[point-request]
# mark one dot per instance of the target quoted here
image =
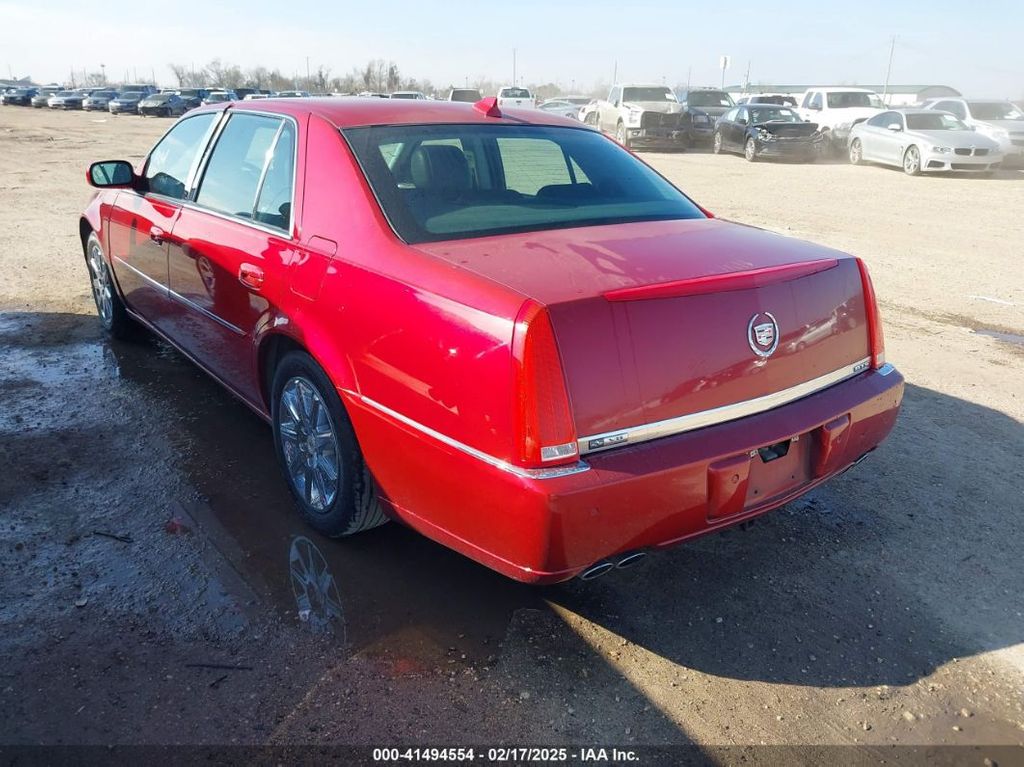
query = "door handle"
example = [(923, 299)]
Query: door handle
[(251, 276), (157, 235)]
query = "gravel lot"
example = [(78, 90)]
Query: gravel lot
[(157, 587)]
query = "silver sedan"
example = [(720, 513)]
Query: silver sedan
[(922, 141)]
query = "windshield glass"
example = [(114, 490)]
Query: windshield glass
[(647, 94), (515, 93), (773, 115), (845, 99), (934, 121), (131, 95), (995, 110), (443, 182), (709, 99)]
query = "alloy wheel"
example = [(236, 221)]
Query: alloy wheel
[(716, 146), (912, 161), (856, 152), (309, 444), (102, 289)]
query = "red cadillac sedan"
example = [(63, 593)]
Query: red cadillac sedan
[(501, 328)]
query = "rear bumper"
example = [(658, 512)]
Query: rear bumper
[(649, 496)]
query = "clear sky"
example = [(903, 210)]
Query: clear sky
[(975, 47)]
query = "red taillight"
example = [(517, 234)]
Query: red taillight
[(546, 435), (874, 318)]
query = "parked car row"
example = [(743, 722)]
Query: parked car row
[(142, 99)]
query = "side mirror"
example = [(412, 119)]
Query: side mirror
[(894, 127), (111, 174), (741, 121)]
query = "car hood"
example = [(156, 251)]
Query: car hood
[(956, 138), (575, 263), (665, 107)]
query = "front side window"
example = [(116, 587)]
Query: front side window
[(233, 173), (880, 120), (173, 160), (815, 102), (456, 181)]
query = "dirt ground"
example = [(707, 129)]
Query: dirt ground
[(156, 585)]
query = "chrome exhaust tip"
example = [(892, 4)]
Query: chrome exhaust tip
[(631, 559), (596, 571)]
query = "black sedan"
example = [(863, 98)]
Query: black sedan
[(21, 97), (163, 105), (766, 130)]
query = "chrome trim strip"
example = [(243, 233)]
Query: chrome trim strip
[(178, 297), (549, 473), (684, 423)]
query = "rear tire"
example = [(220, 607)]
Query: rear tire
[(716, 143), (318, 452)]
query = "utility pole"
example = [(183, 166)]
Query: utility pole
[(689, 71), (513, 66), (888, 71), (746, 78), (307, 71), (615, 73), (103, 70)]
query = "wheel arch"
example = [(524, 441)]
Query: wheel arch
[(271, 348)]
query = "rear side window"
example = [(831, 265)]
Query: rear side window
[(173, 160), (274, 206), (235, 169)]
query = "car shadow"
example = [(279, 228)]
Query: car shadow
[(901, 565)]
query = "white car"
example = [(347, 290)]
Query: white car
[(517, 98), (922, 141), (415, 95), (1001, 121), (781, 99), (837, 109)]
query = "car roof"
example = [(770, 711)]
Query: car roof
[(352, 113)]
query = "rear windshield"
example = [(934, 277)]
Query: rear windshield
[(443, 182), (465, 95), (515, 93)]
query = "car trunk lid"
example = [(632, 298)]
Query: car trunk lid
[(662, 321)]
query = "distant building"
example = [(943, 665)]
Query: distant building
[(895, 95)]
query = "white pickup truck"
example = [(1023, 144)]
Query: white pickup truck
[(511, 97), (836, 109), (641, 116)]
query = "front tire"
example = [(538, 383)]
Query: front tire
[(110, 308), (912, 161), (620, 134), (318, 452), (716, 143), (856, 152), (750, 150)]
